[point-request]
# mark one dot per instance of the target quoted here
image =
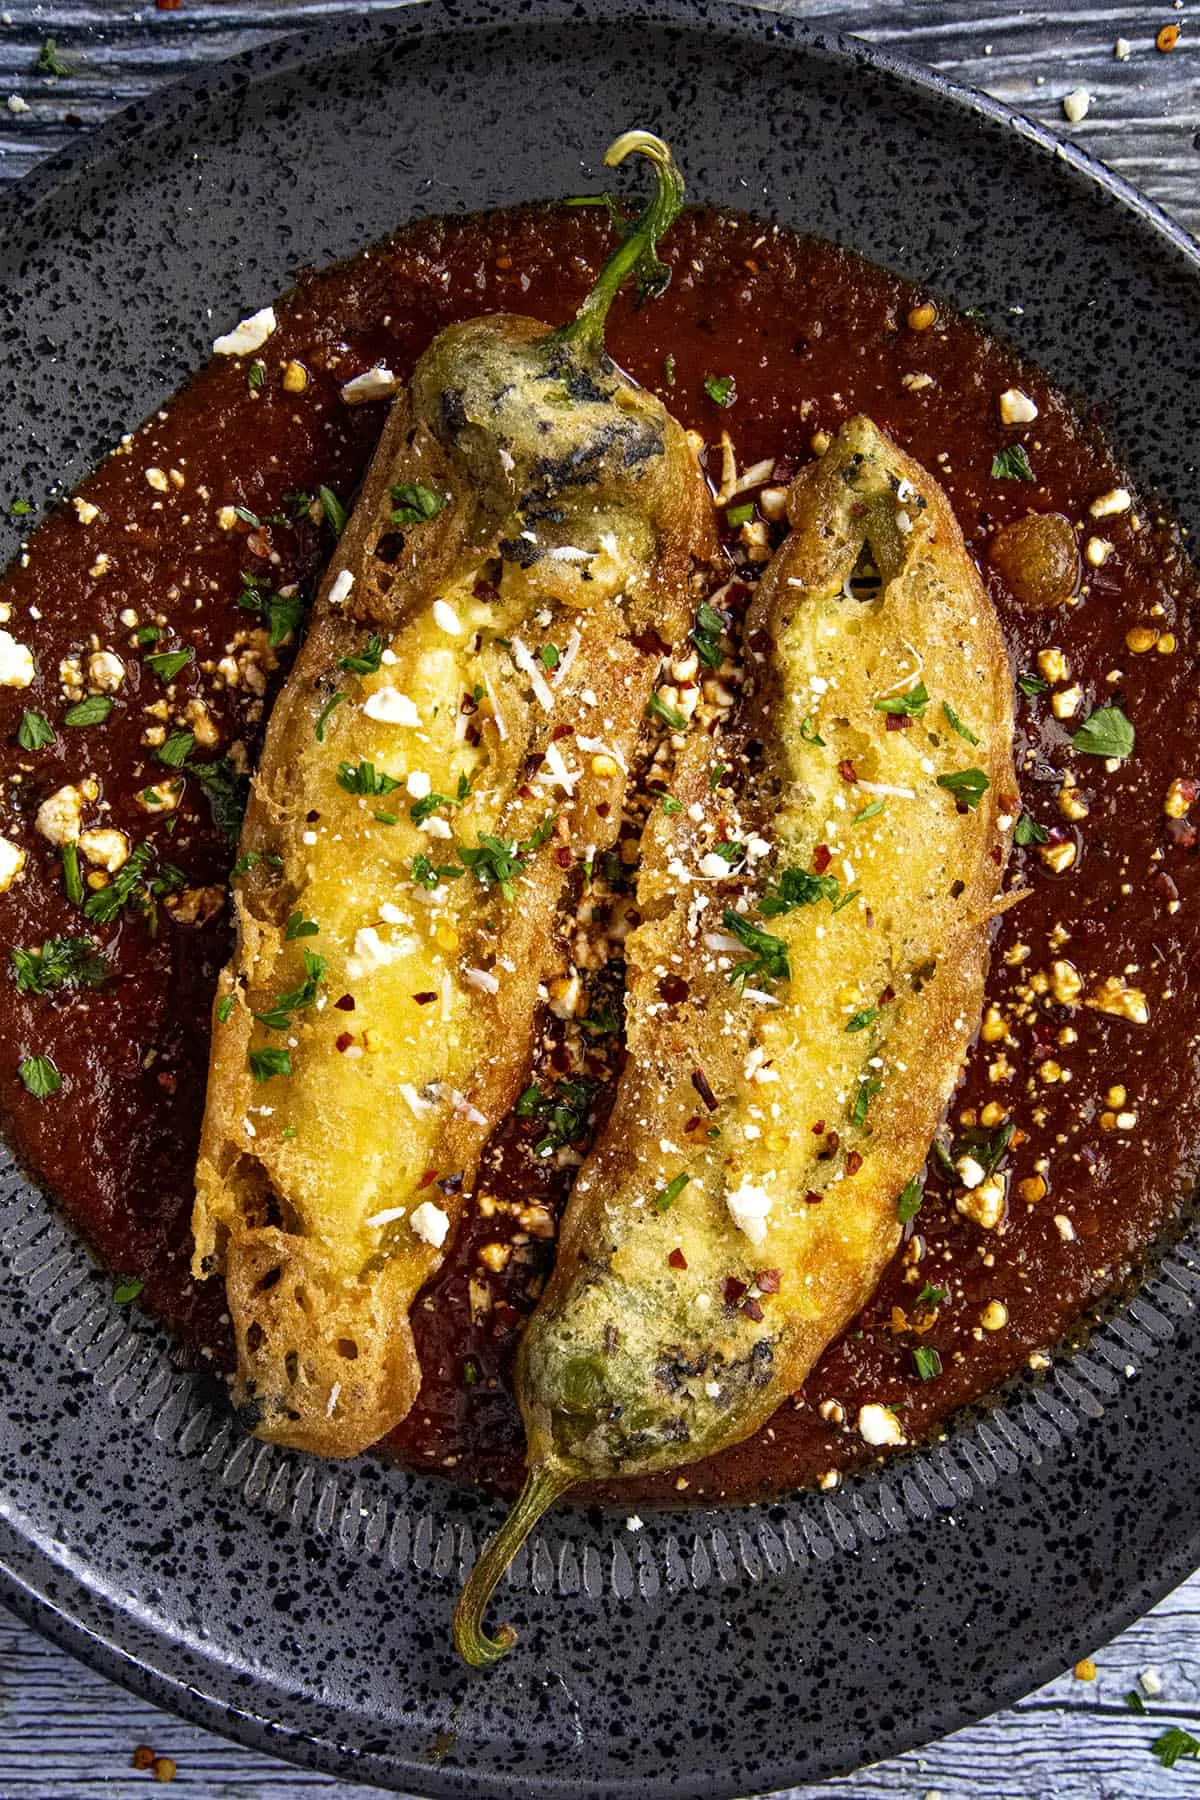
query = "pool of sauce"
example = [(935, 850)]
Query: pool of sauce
[(810, 335)]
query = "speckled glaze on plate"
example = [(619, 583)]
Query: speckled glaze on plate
[(304, 1608)]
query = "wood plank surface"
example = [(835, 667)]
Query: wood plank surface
[(67, 1734)]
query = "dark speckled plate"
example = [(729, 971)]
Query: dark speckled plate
[(304, 1607)]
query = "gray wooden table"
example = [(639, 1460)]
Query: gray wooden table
[(66, 1734)]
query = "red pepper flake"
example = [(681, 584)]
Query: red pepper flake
[(819, 1128), (848, 772), (484, 591), (428, 1178), (732, 1290), (344, 1040), (853, 1163), (560, 732), (693, 1123), (767, 1281), (898, 722), (167, 1081), (346, 1003), (677, 1260), (258, 545), (468, 704), (563, 856), (700, 1083), (753, 1310), (422, 999), (168, 6), (822, 857), (887, 996), (812, 1198), (603, 808)]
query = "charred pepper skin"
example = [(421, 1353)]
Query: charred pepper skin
[(704, 1264)]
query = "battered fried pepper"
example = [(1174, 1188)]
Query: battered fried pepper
[(741, 1205), (454, 737)]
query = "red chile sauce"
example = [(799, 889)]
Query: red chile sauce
[(810, 335)]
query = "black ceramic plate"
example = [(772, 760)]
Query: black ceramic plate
[(304, 1607)]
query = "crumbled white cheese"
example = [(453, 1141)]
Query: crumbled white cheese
[(877, 1426), (60, 814), (749, 1207), (430, 1223), (12, 861), (446, 619), (713, 867), (1077, 104), (17, 105), (106, 671), (1117, 500), (339, 590), (391, 707), (418, 784), (483, 979), (1016, 408), (16, 662), (970, 1172), (370, 952), (250, 334), (85, 512), (376, 384), (1151, 1683), (105, 848)]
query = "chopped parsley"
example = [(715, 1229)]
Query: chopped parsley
[(1174, 1744), (666, 1198), (497, 862), (1012, 464), (930, 1296), (986, 1147), (768, 959), (1032, 685), (867, 1091), (415, 503), (706, 635), (146, 634), (126, 1289), (335, 513), (72, 879), (40, 1076), (330, 706), (139, 883), (868, 812), (34, 732), (1135, 1703), (428, 875), (279, 1016), (256, 375), (226, 791), (927, 1362), (796, 887), (264, 1064), (737, 516), (175, 752), (1028, 831), (862, 1021), (365, 778), (225, 1006), (92, 711), (967, 785), (956, 724), (909, 706), (722, 389), (299, 927), (847, 897), (548, 656), (166, 664), (20, 509), (282, 612), (809, 733), (1106, 732), (715, 774), (670, 805), (49, 62), (368, 659), (908, 1202), (64, 962), (658, 708), (420, 810), (563, 1112)]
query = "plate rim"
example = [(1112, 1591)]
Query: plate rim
[(56, 1600)]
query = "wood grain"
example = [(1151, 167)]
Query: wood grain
[(67, 1734)]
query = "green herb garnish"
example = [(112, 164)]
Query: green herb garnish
[(415, 503), (861, 1021), (139, 883), (927, 1362), (92, 711), (867, 1091), (175, 752), (226, 791), (365, 778), (497, 862), (256, 374), (1032, 685), (910, 705), (330, 706), (1135, 1703), (666, 1198), (225, 1006), (721, 388), (768, 960), (72, 879), (64, 962), (1174, 1744), (34, 732), (126, 1289), (1028, 831), (147, 634), (1106, 732), (49, 62), (368, 659), (1012, 464), (908, 1202), (40, 1076), (956, 724), (563, 1111), (278, 1017), (930, 1296), (796, 887), (809, 733), (706, 635), (333, 509), (737, 516), (670, 805), (166, 664), (20, 509), (264, 1064), (428, 875), (967, 785), (657, 708), (868, 812), (299, 927)]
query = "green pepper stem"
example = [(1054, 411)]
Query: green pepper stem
[(543, 1485), (638, 251)]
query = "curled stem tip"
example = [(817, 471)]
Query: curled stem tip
[(542, 1488), (638, 253)]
